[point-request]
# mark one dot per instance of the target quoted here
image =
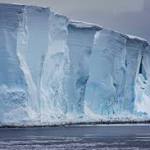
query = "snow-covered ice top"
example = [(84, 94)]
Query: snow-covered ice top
[(54, 70), (84, 25)]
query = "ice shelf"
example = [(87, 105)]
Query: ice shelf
[(54, 70)]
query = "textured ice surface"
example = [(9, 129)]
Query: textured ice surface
[(54, 73), (54, 70), (143, 83), (105, 87), (13, 85), (80, 41)]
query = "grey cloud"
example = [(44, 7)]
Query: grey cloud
[(127, 16)]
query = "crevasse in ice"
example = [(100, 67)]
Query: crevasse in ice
[(54, 70)]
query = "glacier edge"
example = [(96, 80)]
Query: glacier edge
[(54, 70)]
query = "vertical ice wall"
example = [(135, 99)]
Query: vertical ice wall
[(134, 48), (55, 70), (37, 26), (104, 90), (51, 71), (31, 108), (36, 23), (114, 68), (13, 87), (142, 103), (80, 42)]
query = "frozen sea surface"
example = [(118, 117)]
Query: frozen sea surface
[(105, 137)]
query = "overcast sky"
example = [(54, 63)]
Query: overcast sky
[(127, 16)]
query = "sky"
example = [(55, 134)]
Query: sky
[(126, 16)]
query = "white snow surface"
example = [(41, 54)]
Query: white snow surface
[(55, 71)]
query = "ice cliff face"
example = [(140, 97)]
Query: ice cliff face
[(54, 70)]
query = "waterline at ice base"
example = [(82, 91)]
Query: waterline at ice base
[(55, 71)]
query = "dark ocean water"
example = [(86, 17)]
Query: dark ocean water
[(94, 137)]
